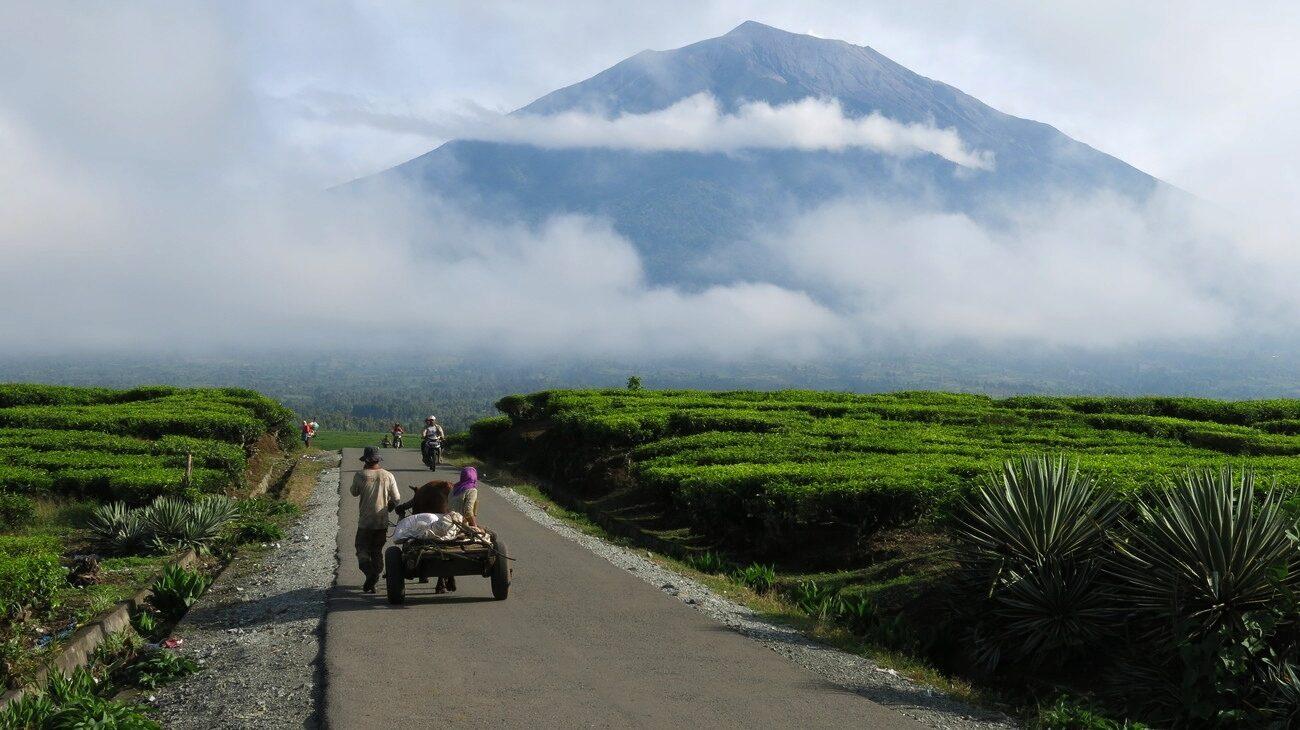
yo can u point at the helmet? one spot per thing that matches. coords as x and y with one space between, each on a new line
431 418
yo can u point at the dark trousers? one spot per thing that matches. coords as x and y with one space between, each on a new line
370 551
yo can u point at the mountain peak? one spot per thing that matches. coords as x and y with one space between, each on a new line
753 27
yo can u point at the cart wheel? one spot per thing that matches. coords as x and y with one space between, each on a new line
394 574
500 572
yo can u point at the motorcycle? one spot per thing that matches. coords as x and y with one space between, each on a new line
431 451
397 441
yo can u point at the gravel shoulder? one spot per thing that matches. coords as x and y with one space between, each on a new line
257 631
850 671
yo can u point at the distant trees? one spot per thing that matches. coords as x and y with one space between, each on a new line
634 383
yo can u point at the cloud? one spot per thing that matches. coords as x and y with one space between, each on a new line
1094 273
697 124
172 216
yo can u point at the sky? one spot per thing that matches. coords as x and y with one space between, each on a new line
161 169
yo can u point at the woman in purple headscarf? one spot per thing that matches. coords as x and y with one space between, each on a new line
464 496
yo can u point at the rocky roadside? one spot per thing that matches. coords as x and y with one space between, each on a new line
849 671
256 632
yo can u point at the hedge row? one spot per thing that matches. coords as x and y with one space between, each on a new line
762 469
130 444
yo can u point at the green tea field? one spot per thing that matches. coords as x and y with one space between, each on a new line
132 445
759 469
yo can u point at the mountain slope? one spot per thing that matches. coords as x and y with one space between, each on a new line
682 210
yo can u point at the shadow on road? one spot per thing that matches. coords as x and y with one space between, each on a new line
350 598
899 693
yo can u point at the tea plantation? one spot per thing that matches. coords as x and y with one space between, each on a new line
129 445
768 470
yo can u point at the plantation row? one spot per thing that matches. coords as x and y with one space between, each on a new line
761 469
132 444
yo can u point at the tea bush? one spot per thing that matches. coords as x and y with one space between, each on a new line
131 445
763 469
29 580
16 510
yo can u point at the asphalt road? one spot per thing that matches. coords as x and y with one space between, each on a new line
579 643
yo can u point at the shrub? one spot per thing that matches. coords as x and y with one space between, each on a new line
1205 554
73 702
759 578
257 529
707 562
159 667
1211 569
1032 543
24 479
176 590
30 581
16 510
166 523
483 434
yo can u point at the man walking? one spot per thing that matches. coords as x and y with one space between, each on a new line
378 495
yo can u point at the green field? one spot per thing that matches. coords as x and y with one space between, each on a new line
132 445
762 469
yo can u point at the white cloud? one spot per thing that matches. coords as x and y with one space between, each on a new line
697 124
1095 273
151 205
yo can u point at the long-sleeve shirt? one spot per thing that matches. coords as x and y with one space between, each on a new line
375 487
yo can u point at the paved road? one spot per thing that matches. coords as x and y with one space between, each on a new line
579 643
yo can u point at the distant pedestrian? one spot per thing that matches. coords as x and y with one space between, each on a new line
307 433
377 491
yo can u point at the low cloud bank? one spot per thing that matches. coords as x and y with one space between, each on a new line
698 124
153 209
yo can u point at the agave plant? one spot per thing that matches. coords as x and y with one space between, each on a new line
1032 541
118 529
207 517
107 520
1202 556
166 518
166 523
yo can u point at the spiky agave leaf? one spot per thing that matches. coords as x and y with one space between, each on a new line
132 536
107 520
166 519
207 517
1031 541
1038 509
1204 554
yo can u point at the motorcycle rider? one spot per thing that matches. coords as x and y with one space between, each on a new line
397 434
432 433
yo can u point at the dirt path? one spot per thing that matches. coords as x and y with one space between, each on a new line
580 642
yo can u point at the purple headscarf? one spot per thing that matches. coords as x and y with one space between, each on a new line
468 480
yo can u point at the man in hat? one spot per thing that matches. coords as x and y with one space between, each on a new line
377 490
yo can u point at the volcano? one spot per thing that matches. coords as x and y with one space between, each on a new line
683 210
